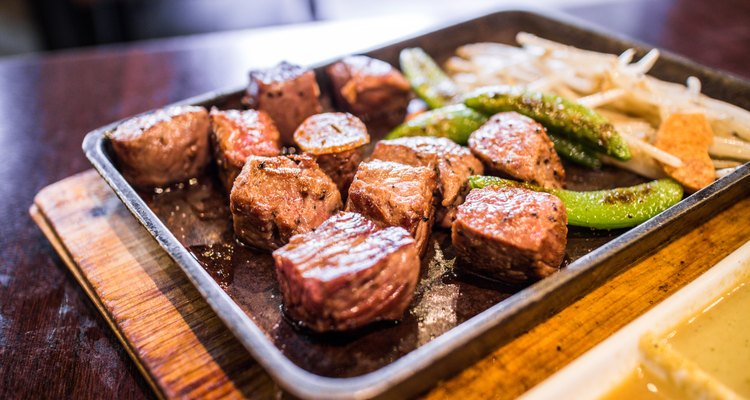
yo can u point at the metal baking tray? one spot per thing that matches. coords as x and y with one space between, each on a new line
454 320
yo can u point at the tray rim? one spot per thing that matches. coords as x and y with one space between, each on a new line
305 384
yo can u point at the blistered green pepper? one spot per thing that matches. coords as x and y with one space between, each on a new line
560 116
428 80
575 152
604 209
455 122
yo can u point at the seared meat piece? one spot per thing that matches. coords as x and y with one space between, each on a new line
511 234
287 92
336 142
369 88
275 198
453 164
347 273
393 194
516 146
239 134
167 146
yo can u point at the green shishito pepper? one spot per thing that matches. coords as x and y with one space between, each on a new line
428 80
575 152
560 116
604 209
455 122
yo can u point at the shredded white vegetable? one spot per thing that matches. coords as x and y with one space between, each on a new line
720 173
599 99
640 163
652 151
644 64
637 128
726 147
626 57
720 164
618 87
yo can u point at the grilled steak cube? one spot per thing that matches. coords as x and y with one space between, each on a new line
287 92
347 273
336 142
167 146
453 164
394 194
275 198
510 234
239 134
516 146
369 88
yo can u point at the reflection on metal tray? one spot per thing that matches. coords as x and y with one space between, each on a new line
453 319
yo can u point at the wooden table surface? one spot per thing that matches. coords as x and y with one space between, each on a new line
53 343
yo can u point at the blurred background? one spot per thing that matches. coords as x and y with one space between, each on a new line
39 25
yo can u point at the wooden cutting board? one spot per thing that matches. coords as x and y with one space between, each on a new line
185 351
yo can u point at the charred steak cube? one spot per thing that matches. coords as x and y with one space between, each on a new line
510 234
516 146
239 134
347 273
287 92
167 146
393 194
369 88
336 142
452 162
275 198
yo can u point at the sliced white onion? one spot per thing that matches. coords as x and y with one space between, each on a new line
719 164
645 63
601 98
720 173
694 86
653 151
626 57
727 147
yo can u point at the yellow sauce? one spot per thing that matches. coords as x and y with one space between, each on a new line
641 384
706 356
718 339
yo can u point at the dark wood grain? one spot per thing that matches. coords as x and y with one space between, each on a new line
178 342
53 343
